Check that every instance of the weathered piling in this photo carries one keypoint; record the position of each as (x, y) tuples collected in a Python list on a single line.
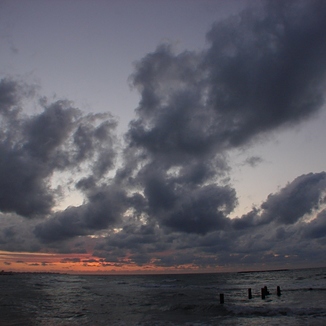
[(262, 293), (278, 291), (266, 290), (221, 298), (249, 294)]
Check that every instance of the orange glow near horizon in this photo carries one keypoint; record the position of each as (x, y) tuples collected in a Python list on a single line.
[(87, 264), (82, 264)]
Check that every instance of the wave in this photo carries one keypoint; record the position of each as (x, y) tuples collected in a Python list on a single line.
[(244, 310)]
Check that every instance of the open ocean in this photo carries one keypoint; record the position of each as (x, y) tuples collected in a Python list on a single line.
[(192, 299)]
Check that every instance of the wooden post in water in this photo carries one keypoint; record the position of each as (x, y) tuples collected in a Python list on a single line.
[(278, 291), (249, 294), (262, 293), (221, 298), (266, 290)]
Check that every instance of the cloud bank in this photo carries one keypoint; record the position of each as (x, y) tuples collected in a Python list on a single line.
[(262, 70)]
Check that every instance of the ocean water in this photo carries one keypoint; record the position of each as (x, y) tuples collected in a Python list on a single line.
[(54, 299)]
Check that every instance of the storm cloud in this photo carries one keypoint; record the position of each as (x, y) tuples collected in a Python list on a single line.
[(300, 197), (33, 148), (102, 210), (263, 70)]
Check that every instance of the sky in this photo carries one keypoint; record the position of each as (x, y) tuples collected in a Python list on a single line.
[(162, 136)]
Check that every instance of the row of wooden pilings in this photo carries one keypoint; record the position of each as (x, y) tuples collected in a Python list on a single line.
[(264, 292)]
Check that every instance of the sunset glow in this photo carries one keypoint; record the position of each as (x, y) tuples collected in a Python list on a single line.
[(83, 264)]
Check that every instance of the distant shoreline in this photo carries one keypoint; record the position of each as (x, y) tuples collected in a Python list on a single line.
[(15, 273), (266, 271), (3, 272)]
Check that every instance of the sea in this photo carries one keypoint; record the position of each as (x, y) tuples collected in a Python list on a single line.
[(183, 299)]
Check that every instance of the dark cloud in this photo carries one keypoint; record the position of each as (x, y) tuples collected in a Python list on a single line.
[(135, 236), (183, 204), (103, 210), (23, 184), (16, 234), (201, 210), (300, 197), (33, 148), (246, 220), (46, 133), (317, 227), (287, 230), (9, 97), (264, 69)]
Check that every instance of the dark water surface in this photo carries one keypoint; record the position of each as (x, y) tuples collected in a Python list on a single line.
[(54, 299)]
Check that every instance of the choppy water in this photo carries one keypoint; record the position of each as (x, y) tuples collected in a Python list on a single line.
[(42, 299)]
